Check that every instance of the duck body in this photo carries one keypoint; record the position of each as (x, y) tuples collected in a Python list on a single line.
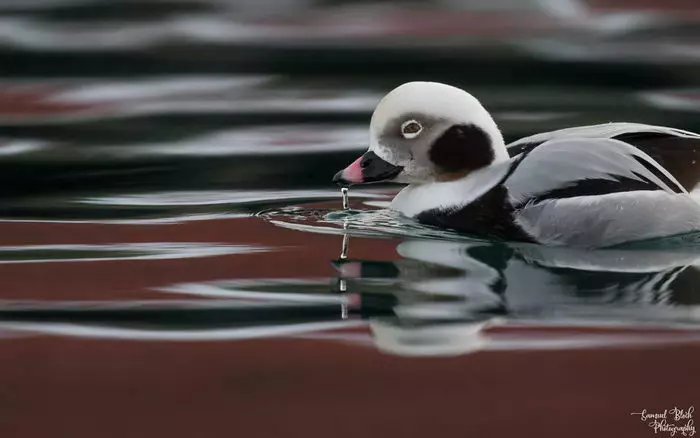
[(572, 192), (590, 186)]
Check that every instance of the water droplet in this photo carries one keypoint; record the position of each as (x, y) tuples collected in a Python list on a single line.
[(346, 203)]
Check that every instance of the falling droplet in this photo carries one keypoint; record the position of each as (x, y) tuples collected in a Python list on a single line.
[(346, 203), (344, 247)]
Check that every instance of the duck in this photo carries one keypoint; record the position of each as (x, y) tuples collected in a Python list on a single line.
[(589, 186)]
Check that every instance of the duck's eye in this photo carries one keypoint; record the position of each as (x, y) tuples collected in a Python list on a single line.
[(411, 129)]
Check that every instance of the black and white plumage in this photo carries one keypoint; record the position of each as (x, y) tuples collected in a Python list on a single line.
[(676, 150), (588, 186), (578, 192)]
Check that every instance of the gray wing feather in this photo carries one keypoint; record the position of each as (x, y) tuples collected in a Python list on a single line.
[(607, 130), (558, 164)]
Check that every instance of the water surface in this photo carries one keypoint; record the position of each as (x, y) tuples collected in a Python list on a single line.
[(174, 259)]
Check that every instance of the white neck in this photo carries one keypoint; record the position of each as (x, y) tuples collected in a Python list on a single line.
[(417, 198)]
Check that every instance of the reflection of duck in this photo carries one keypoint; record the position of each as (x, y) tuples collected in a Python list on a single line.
[(441, 298), (529, 276), (574, 187), (441, 314)]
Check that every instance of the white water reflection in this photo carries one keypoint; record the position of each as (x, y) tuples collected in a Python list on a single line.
[(76, 330), (456, 339), (271, 140), (121, 251), (148, 221), (217, 197), (10, 147), (91, 90), (388, 335), (89, 99), (255, 290)]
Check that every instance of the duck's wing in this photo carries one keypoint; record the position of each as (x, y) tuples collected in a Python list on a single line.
[(596, 192), (680, 155), (560, 169), (605, 130), (676, 150)]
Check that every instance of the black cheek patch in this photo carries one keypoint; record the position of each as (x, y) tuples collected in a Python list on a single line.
[(462, 148)]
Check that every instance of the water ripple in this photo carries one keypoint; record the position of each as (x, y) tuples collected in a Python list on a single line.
[(122, 251)]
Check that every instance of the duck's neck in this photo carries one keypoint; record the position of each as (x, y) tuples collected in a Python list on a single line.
[(417, 198)]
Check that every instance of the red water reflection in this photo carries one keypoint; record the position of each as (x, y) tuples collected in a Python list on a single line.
[(270, 388), (138, 279), (57, 386), (36, 100)]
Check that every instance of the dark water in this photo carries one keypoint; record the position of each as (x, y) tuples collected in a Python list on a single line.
[(174, 260)]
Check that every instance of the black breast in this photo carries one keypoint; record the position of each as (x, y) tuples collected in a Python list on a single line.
[(490, 216)]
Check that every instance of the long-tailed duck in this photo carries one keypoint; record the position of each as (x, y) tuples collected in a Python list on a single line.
[(587, 186)]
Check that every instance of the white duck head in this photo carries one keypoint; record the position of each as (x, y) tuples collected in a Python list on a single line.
[(424, 132)]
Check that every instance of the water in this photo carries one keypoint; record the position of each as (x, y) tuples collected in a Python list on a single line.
[(174, 259)]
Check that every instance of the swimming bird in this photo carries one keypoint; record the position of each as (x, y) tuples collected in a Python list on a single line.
[(589, 186)]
